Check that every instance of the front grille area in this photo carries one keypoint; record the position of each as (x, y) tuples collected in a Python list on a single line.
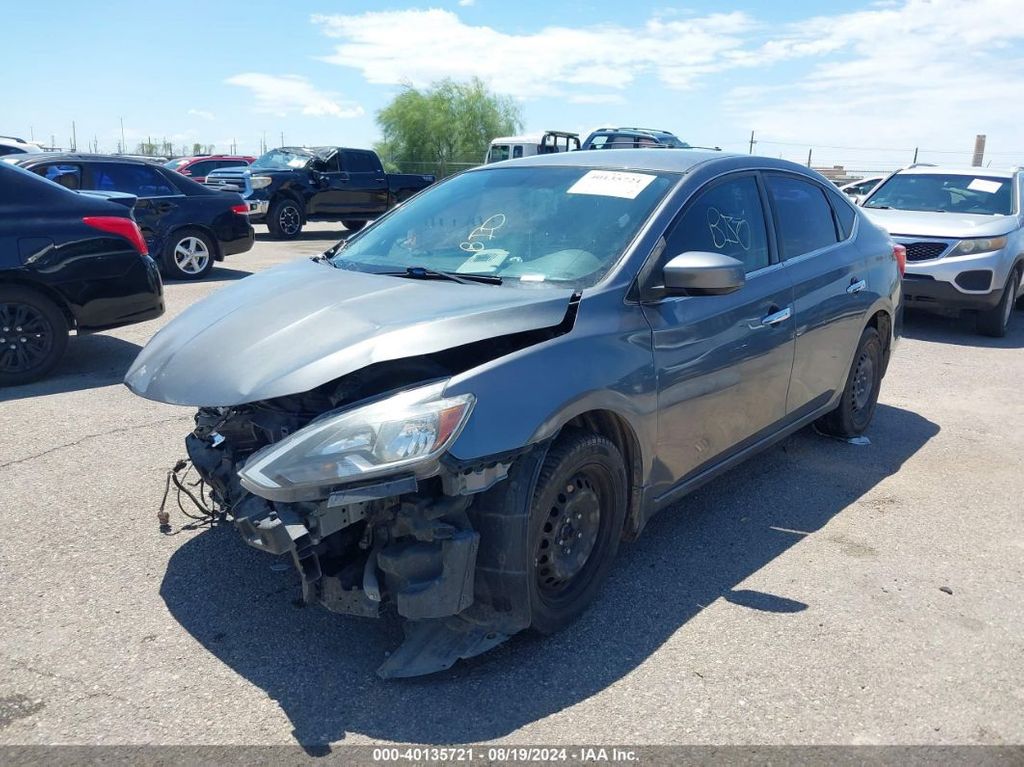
[(924, 251)]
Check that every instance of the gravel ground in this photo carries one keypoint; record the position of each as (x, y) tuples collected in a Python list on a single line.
[(822, 593)]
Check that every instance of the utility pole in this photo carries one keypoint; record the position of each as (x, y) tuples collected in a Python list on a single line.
[(74, 137), (123, 147), (282, 138), (915, 155), (752, 142), (809, 156), (979, 150)]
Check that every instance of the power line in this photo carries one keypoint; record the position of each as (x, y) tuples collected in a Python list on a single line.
[(879, 149)]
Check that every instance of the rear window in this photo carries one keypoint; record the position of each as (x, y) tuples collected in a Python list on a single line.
[(945, 193), (140, 180), (803, 213)]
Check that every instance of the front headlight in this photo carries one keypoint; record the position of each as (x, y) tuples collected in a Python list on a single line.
[(979, 245), (409, 430), (258, 182)]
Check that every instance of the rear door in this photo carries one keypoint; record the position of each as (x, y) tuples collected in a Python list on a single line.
[(724, 361), (813, 229), (159, 201), (368, 181)]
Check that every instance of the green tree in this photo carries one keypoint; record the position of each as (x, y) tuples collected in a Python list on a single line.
[(445, 127)]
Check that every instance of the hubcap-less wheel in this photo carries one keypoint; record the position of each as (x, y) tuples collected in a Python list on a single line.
[(26, 338), (288, 220), (863, 381), (570, 532), (191, 255)]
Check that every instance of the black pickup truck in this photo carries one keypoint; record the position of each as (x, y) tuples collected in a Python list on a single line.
[(289, 186)]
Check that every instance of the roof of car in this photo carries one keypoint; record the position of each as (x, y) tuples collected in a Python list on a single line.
[(672, 160), (80, 157), (947, 171)]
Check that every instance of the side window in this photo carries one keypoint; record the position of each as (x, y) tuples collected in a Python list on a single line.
[(65, 174), (845, 214), (803, 213), (230, 163), (517, 151), (200, 169), (599, 142), (359, 162), (331, 165), (139, 180), (727, 218)]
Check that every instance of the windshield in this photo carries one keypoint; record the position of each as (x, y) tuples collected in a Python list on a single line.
[(952, 193), (282, 159), (538, 225)]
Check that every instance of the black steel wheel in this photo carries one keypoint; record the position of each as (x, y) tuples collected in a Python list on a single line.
[(33, 335), (284, 219), (576, 521), (856, 408)]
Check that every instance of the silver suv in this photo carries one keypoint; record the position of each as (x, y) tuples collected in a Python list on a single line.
[(963, 229)]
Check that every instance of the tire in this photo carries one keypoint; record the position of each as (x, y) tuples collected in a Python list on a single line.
[(856, 407), (284, 219), (576, 520), (353, 226), (33, 335), (189, 255), (994, 322)]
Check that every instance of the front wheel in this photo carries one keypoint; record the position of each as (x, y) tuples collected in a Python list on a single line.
[(284, 219), (33, 335), (189, 255), (353, 226), (576, 520), (860, 395), (995, 321)]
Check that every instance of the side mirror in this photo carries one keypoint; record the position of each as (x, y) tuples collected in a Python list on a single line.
[(704, 274)]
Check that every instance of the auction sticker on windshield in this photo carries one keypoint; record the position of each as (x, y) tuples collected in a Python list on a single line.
[(983, 185), (610, 183)]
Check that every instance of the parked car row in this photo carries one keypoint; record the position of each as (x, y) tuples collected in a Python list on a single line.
[(416, 418), (187, 226), (552, 142)]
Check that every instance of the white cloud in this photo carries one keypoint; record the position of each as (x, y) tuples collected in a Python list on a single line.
[(422, 46), (203, 114), (923, 72), (467, 3), (283, 95)]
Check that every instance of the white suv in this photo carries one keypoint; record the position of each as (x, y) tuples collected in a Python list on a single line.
[(964, 233), (12, 145)]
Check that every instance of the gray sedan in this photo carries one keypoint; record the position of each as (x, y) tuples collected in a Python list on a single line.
[(459, 413)]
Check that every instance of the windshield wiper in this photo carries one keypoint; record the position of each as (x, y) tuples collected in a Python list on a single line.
[(422, 273)]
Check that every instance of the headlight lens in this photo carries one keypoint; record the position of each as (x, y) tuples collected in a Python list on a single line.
[(258, 182), (410, 429), (979, 245)]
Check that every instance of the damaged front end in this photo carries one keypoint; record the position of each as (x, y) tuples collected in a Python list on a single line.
[(349, 481)]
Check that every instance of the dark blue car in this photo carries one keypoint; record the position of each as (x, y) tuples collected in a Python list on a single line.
[(461, 411)]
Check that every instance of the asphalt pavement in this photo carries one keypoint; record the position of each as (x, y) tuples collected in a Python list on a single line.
[(822, 593)]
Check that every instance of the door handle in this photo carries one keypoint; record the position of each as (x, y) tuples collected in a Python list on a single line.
[(856, 286), (776, 317)]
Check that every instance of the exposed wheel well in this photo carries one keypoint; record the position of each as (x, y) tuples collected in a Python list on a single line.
[(617, 429), (43, 290), (882, 322)]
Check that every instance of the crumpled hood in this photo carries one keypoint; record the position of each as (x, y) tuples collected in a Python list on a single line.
[(291, 328), (927, 224)]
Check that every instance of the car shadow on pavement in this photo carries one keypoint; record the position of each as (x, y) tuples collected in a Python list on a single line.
[(91, 361), (960, 331), (319, 667), (307, 236)]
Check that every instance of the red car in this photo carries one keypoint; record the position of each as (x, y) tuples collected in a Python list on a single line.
[(196, 168)]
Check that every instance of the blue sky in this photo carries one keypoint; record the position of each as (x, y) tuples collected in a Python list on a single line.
[(862, 82)]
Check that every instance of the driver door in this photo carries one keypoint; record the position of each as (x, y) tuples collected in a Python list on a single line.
[(723, 361), (333, 195)]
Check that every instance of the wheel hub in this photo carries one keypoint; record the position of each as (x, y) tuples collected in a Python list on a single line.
[(289, 220), (25, 337), (569, 534), (863, 382), (191, 255)]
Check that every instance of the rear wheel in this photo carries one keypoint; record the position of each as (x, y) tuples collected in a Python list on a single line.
[(189, 255), (857, 405), (33, 335), (994, 322), (284, 219), (353, 226), (576, 520)]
